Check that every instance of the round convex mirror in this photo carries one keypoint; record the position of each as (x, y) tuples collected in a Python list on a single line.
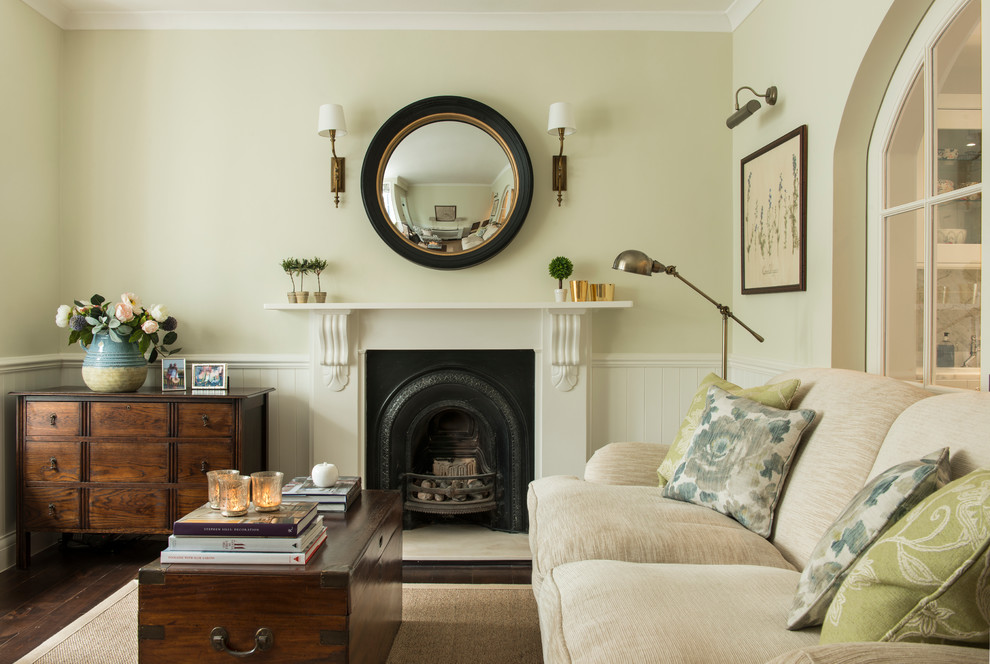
[(447, 182)]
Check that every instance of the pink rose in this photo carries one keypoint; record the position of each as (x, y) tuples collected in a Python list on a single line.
[(150, 327), (124, 312)]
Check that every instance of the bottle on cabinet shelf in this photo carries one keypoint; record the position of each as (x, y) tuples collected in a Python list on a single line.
[(945, 353)]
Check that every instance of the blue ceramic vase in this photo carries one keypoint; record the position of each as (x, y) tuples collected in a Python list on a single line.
[(113, 366)]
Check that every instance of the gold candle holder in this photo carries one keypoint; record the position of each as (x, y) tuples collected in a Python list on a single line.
[(602, 292), (213, 485), (579, 291), (235, 494), (266, 489)]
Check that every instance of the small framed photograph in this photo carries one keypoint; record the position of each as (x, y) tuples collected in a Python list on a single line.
[(173, 374), (209, 376), (445, 212)]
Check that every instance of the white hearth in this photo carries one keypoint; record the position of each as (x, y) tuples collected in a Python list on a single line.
[(559, 333)]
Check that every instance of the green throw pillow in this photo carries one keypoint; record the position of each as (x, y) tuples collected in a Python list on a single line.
[(878, 505), (777, 395), (927, 578), (738, 458)]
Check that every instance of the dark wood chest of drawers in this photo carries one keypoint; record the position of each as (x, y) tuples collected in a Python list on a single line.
[(90, 462)]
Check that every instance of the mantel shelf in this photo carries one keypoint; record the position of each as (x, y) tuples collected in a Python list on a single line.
[(564, 318), (562, 307)]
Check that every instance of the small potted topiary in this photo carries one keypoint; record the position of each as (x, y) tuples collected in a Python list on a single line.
[(560, 268), (316, 266), (291, 266)]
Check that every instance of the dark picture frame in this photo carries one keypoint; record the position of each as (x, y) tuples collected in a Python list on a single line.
[(445, 212), (209, 376), (173, 374), (774, 192)]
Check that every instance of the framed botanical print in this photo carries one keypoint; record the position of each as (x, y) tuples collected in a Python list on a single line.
[(774, 191)]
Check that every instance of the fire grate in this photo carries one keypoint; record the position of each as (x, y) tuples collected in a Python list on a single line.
[(450, 494)]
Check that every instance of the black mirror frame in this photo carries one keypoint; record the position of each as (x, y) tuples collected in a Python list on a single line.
[(416, 115)]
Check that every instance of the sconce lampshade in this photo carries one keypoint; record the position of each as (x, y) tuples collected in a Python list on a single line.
[(561, 117), (332, 119)]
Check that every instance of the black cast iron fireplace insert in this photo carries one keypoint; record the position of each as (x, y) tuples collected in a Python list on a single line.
[(453, 431)]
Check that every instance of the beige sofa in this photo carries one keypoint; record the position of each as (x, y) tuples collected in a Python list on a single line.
[(622, 574)]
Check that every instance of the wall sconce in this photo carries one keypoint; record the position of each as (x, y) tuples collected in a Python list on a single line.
[(332, 124), (562, 124), (751, 106)]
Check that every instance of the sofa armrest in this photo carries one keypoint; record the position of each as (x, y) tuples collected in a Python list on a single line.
[(629, 464), (883, 653)]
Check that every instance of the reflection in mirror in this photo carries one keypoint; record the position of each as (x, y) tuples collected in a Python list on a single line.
[(447, 187)]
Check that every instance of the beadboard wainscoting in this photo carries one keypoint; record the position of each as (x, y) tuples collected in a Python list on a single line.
[(644, 397), (634, 397)]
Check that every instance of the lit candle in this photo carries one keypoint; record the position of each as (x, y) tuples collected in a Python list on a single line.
[(235, 491), (213, 485), (267, 489)]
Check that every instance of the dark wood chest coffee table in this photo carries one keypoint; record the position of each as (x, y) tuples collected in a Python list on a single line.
[(345, 605)]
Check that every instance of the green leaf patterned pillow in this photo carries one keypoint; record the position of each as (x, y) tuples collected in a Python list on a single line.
[(738, 458), (878, 505), (777, 395), (927, 579)]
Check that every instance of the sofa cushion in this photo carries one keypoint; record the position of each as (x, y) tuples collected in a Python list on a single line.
[(883, 501), (570, 519), (738, 458), (607, 611), (927, 578), (778, 395), (855, 411)]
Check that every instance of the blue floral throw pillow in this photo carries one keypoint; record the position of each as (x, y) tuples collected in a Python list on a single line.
[(738, 458), (882, 502)]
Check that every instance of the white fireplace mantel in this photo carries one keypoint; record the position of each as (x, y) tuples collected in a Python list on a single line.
[(559, 333)]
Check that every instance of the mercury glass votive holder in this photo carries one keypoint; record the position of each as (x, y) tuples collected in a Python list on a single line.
[(235, 494), (213, 485), (266, 488)]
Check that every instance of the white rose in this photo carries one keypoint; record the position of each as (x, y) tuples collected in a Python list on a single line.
[(159, 312), (63, 315)]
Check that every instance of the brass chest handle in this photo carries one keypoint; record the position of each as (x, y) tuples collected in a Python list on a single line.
[(51, 509), (206, 420), (263, 640), (52, 418), (53, 464), (204, 466)]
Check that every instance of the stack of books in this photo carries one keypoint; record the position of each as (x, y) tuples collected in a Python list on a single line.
[(336, 498), (289, 536)]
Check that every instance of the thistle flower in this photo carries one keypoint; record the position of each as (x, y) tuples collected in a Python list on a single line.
[(169, 324), (77, 323)]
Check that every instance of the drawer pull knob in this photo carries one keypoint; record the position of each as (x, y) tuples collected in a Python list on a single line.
[(51, 509), (52, 418), (263, 640), (203, 467), (53, 464), (206, 420)]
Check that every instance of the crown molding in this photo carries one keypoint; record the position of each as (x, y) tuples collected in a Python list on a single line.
[(650, 21)]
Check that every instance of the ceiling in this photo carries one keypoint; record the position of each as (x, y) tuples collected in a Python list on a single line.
[(650, 15)]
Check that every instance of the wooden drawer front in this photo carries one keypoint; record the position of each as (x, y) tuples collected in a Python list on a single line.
[(50, 508), (129, 419), (195, 459), (51, 418), (170, 636), (129, 509), (206, 420), (128, 462), (52, 462), (188, 498)]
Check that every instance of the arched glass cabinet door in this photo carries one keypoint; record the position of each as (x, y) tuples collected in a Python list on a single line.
[(447, 182)]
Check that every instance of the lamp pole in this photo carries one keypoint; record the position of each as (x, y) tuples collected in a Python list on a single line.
[(639, 263)]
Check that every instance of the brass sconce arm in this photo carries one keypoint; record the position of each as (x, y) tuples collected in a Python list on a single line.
[(331, 124), (562, 124)]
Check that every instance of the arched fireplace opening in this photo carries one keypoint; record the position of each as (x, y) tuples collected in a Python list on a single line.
[(452, 430)]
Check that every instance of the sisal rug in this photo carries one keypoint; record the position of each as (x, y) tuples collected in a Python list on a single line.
[(481, 624)]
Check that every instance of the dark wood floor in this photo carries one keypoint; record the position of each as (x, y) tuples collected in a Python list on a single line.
[(64, 582)]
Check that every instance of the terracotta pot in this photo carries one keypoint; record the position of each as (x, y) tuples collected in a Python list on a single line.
[(302, 297), (320, 296)]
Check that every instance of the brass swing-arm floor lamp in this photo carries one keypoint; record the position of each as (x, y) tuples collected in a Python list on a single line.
[(637, 262)]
